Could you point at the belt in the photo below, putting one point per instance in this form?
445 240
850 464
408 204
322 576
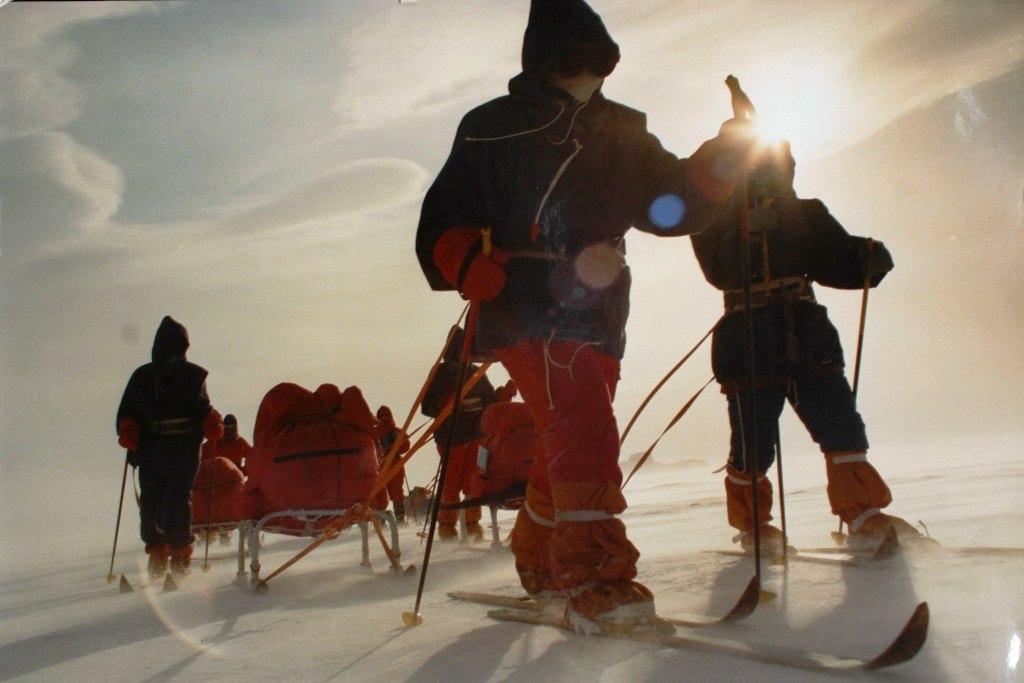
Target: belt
172 426
788 287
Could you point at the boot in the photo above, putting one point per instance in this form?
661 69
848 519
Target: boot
447 532
531 543
181 560
739 499
475 532
868 533
158 555
623 603
855 488
400 512
771 542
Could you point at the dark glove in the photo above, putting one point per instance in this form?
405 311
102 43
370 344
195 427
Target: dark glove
128 430
875 261
719 163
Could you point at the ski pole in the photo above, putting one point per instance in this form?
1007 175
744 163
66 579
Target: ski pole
414 618
742 108
838 536
860 330
117 525
209 516
776 435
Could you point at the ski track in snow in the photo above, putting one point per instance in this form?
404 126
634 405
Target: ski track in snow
328 619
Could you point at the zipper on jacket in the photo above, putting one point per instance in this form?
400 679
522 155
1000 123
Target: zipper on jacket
535 227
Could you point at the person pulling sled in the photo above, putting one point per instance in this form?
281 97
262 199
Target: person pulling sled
556 174
465 440
164 414
797 354
387 434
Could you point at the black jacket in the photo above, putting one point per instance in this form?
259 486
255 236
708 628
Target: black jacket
795 336
167 396
551 175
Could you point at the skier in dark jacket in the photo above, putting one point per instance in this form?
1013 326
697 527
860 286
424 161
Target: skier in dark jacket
557 174
164 414
465 441
797 354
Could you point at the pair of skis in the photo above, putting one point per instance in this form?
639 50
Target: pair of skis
902 648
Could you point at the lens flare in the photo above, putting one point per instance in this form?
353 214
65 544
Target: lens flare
598 266
667 211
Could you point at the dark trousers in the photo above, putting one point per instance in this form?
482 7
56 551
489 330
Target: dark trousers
167 471
824 403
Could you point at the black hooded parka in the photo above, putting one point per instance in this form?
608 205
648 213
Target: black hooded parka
168 399
555 179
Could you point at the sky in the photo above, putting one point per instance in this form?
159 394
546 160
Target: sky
256 171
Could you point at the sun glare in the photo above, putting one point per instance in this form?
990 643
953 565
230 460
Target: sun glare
799 103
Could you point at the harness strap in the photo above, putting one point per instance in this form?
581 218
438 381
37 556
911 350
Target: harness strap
172 426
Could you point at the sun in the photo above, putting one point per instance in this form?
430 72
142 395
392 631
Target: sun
800 103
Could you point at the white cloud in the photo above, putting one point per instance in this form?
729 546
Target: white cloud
419 59
52 187
362 186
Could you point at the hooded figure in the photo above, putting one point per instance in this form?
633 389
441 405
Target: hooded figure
466 437
163 416
232 445
557 174
797 353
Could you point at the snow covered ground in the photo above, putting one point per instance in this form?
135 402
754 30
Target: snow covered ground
328 619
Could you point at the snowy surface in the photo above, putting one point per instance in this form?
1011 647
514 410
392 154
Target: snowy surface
329 619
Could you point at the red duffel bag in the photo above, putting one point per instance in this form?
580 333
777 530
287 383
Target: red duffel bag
311 451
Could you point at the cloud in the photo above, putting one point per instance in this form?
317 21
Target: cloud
34 96
362 186
53 187
35 101
420 59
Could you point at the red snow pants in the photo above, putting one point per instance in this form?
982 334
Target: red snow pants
566 533
457 480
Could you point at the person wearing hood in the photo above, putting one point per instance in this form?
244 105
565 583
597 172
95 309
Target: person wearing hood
797 354
387 434
164 414
556 173
465 434
232 445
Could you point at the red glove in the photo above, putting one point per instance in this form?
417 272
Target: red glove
719 163
459 256
213 425
128 433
